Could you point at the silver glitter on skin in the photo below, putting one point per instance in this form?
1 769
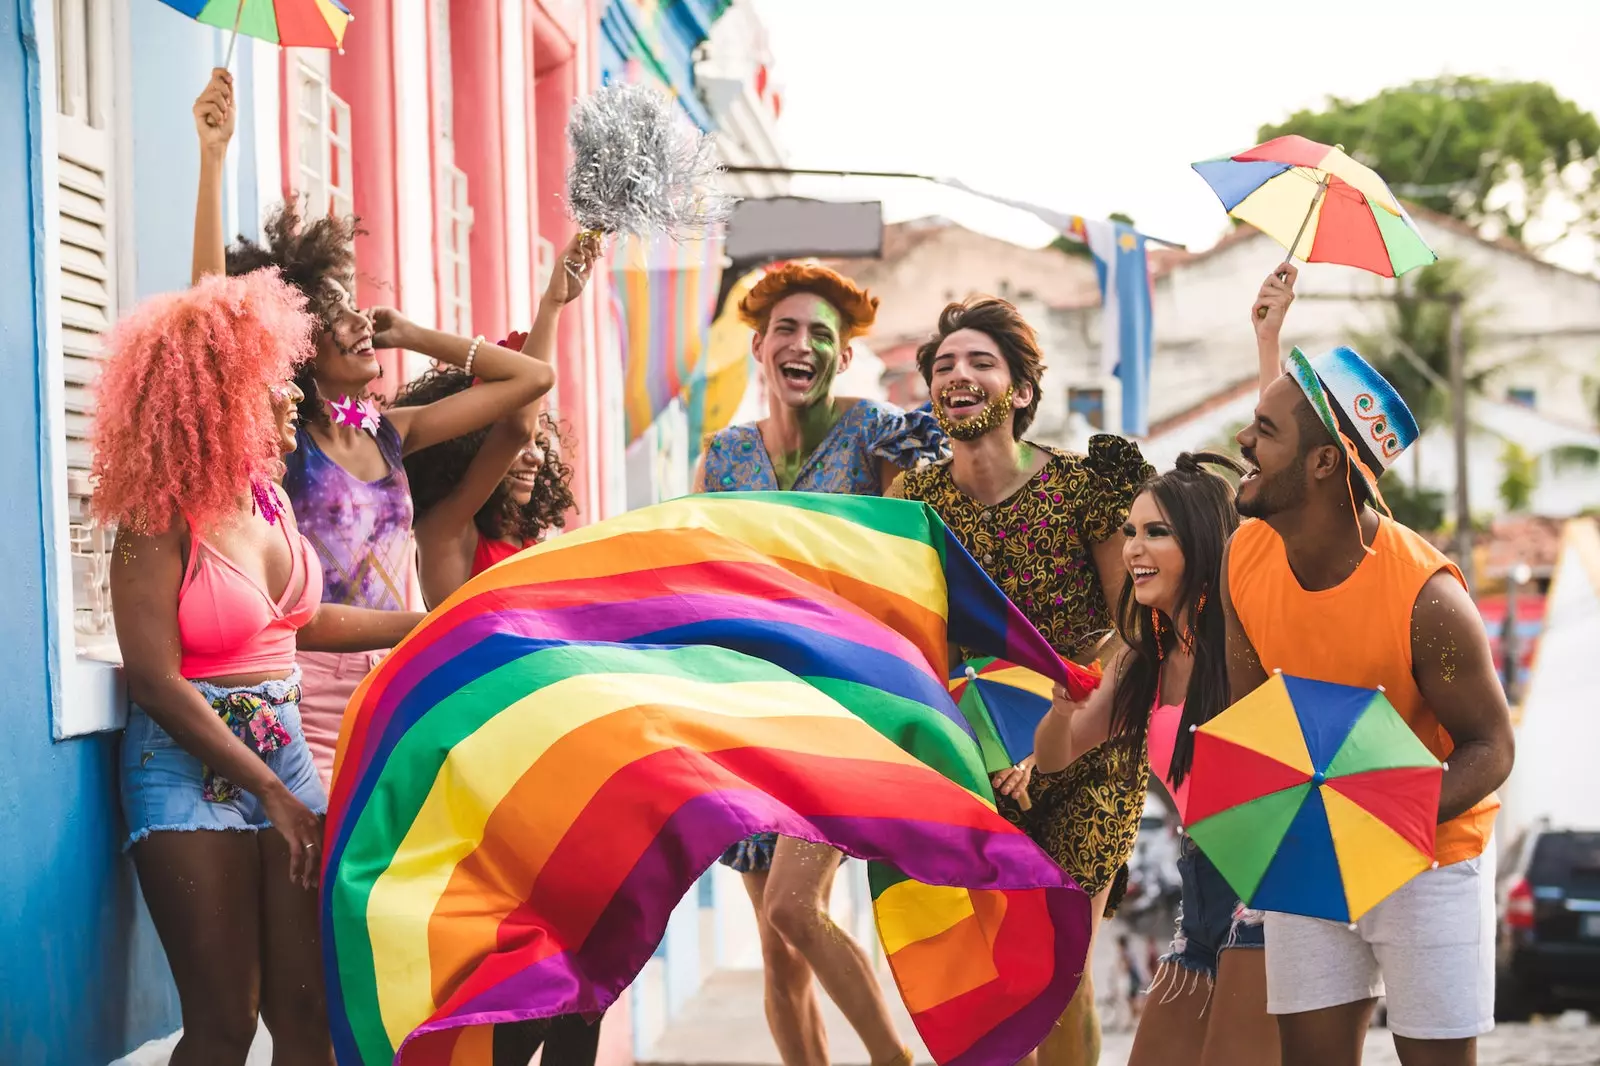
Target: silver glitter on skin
640 167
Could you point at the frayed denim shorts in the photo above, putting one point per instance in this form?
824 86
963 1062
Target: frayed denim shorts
1211 919
166 789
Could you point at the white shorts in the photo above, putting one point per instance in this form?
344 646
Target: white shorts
1428 949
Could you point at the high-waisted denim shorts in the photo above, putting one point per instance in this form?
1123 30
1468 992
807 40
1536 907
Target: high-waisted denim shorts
163 786
1210 917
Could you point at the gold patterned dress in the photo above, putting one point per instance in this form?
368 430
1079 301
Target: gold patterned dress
1037 544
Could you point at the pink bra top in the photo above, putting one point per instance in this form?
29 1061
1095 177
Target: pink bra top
229 624
1163 737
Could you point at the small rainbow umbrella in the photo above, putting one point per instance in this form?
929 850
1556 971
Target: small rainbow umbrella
290 23
1320 204
1004 702
1313 798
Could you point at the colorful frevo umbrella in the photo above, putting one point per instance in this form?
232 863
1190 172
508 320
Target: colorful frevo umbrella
290 23
1320 204
1003 703
1313 798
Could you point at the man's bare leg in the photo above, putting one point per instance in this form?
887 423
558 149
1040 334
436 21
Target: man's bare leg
796 903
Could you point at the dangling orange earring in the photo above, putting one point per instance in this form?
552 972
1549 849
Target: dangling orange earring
1156 629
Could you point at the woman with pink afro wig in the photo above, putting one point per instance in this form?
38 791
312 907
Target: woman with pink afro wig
213 590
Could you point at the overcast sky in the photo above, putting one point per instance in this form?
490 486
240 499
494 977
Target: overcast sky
1099 108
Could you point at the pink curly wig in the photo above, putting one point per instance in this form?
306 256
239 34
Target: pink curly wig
183 418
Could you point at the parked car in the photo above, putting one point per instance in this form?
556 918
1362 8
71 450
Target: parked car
1548 947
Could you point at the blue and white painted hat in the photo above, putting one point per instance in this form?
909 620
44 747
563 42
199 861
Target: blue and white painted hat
1359 408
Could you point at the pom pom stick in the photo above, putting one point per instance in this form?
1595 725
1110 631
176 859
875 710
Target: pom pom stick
640 167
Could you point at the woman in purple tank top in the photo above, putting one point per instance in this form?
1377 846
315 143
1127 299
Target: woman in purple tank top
345 477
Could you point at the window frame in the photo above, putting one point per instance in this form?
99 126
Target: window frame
86 695
319 121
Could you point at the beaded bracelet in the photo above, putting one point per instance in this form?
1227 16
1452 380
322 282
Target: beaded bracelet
472 353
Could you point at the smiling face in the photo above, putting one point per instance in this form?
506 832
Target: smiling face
521 480
802 350
286 413
971 385
1153 556
345 362
1278 479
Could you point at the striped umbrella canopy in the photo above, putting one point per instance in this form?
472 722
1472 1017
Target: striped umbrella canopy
1313 798
1320 204
290 23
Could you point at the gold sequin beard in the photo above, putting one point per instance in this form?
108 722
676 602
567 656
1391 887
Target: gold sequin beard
987 420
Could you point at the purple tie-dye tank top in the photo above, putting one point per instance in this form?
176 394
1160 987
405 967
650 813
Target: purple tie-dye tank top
360 529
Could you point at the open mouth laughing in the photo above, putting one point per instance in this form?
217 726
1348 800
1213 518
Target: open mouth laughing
798 372
1143 574
963 400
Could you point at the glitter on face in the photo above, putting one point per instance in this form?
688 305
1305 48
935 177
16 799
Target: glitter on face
989 419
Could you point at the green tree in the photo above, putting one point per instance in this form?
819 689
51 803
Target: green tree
1420 509
1412 349
1519 477
1447 143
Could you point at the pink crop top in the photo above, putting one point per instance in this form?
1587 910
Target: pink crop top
1162 739
229 624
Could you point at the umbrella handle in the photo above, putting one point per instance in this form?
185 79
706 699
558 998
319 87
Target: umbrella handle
1322 187
238 15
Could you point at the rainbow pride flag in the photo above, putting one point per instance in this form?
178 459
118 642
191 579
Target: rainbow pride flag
531 781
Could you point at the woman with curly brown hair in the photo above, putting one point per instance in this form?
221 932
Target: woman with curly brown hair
486 495
347 477
214 589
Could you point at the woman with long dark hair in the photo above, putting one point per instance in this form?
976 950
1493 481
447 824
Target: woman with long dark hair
1208 1003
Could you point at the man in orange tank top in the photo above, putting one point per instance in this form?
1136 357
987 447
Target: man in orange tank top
1322 586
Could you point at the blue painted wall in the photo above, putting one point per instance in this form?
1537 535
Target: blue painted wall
667 52
82 977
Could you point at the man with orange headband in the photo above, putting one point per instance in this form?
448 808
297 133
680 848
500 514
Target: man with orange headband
1324 587
804 317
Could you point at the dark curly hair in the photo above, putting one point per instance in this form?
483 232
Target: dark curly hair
306 252
435 471
1011 333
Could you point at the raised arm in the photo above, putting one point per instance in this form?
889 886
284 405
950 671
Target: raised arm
451 519
1245 673
1068 729
508 381
146 574
213 120
1276 294
1454 670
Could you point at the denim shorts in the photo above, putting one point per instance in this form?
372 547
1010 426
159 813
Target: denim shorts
1210 917
162 784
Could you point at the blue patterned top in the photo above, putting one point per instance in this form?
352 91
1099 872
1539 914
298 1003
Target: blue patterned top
847 460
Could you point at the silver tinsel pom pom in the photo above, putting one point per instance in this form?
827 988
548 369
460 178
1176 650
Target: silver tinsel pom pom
639 166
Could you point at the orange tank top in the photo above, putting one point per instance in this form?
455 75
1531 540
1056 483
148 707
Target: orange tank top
1356 633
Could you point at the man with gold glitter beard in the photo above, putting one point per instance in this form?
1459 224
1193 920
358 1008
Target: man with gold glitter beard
1047 526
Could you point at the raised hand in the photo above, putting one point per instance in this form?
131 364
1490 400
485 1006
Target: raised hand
214 112
390 329
1272 302
573 269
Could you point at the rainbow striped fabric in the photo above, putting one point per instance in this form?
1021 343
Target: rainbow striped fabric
664 296
530 782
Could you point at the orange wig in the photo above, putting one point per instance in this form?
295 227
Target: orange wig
183 421
856 306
